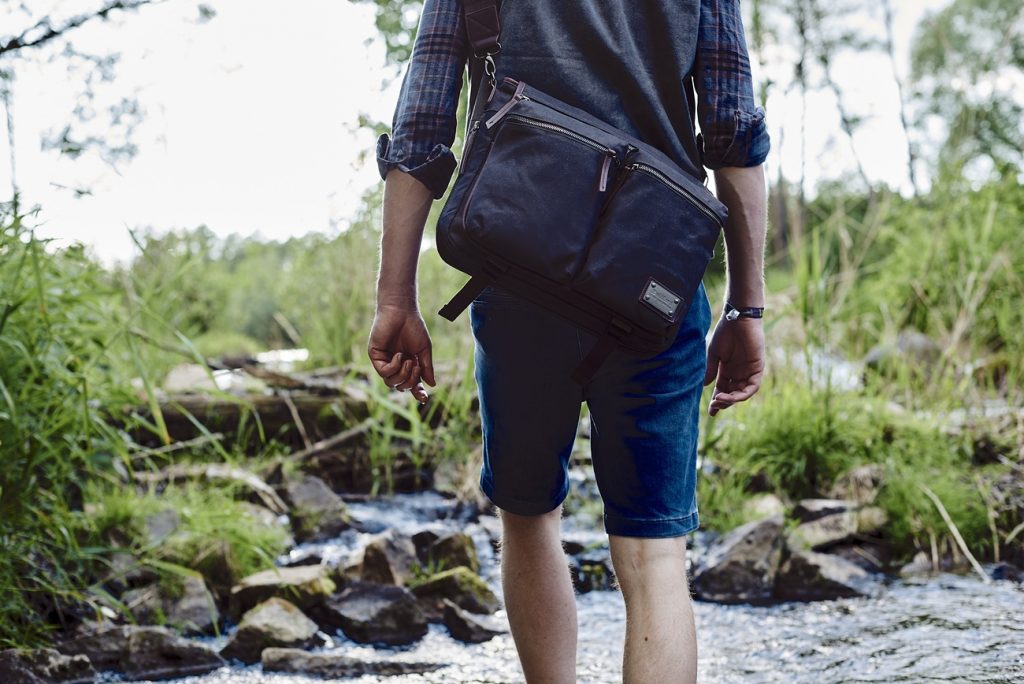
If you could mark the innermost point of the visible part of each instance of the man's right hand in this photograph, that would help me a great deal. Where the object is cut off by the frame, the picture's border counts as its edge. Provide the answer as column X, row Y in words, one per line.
column 736, row 358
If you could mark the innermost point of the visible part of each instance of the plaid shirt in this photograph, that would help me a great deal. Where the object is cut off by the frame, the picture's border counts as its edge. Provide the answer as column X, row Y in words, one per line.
column 732, row 126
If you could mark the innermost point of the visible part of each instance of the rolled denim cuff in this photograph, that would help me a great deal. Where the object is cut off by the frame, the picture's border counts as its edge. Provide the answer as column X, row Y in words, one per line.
column 743, row 142
column 435, row 172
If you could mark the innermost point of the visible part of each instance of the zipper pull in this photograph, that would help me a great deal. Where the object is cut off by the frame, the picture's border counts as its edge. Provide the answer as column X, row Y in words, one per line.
column 516, row 98
column 605, row 166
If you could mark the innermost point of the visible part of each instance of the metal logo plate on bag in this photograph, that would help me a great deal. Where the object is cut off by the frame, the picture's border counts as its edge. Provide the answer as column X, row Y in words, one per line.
column 661, row 299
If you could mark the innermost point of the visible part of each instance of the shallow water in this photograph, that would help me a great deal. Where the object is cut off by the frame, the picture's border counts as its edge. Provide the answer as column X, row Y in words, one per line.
column 946, row 628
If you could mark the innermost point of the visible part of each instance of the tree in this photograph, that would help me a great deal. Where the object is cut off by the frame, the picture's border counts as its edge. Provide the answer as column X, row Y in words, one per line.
column 967, row 67
column 47, row 36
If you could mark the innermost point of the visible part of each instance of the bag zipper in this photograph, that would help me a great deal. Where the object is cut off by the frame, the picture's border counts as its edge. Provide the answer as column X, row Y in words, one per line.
column 563, row 130
column 679, row 189
column 468, row 146
column 516, row 98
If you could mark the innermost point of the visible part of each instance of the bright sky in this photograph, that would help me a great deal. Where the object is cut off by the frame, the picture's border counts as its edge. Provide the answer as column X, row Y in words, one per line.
column 250, row 121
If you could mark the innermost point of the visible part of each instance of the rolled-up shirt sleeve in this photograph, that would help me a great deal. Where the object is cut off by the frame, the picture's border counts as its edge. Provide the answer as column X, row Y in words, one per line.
column 733, row 128
column 423, row 127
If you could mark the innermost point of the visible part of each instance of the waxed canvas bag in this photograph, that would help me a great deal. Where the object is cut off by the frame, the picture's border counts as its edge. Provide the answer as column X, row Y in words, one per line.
column 560, row 208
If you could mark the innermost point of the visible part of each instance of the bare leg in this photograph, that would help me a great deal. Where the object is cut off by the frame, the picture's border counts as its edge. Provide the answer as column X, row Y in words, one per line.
column 661, row 635
column 539, row 596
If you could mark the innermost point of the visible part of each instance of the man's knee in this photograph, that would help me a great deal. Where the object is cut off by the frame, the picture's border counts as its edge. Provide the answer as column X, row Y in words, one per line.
column 635, row 558
column 516, row 521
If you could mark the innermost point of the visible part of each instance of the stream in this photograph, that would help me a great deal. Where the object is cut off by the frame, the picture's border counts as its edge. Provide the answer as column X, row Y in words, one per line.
column 946, row 627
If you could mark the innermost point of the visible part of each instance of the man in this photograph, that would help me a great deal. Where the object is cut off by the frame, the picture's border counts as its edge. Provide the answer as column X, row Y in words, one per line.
column 624, row 62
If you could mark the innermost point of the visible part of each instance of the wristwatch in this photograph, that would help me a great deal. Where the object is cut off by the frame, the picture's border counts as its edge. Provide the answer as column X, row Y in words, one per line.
column 732, row 313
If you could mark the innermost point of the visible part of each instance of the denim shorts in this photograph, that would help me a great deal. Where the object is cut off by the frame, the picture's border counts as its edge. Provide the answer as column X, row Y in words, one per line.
column 644, row 416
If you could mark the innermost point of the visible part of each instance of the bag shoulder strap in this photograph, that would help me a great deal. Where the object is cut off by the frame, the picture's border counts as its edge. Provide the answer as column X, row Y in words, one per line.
column 483, row 26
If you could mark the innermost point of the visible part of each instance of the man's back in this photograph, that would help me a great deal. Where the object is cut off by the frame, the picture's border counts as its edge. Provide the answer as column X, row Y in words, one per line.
column 624, row 62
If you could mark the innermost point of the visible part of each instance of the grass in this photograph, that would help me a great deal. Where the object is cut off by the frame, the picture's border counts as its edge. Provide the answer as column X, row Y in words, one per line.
column 83, row 350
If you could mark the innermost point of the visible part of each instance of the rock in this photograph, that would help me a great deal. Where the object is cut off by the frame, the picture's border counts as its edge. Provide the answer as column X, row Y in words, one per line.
column 465, row 626
column 912, row 348
column 594, row 571
column 157, row 653
column 336, row 665
column 835, row 526
column 144, row 653
column 189, row 609
column 463, row 587
column 811, row 576
column 161, row 525
column 217, row 564
column 44, row 665
column 305, row 586
column 807, row 510
column 572, row 547
column 275, row 622
column 814, row 533
column 1006, row 571
column 762, row 506
column 871, row 519
column 374, row 613
column 422, row 541
column 452, row 551
column 920, row 564
column 860, row 484
column 872, row 557
column 317, row 512
column 740, row 567
column 129, row 572
column 389, row 559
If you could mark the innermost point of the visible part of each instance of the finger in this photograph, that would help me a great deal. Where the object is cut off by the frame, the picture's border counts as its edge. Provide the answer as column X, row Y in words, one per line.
column 738, row 395
column 399, row 380
column 389, row 368
column 420, row 393
column 413, row 379
column 426, row 359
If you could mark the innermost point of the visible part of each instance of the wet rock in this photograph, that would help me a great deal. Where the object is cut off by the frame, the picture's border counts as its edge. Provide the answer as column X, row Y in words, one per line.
column 1006, row 571
column 740, row 567
column 337, row 666
column 807, row 510
column 762, row 506
column 44, row 665
column 860, row 484
column 423, row 540
column 463, row 587
column 813, row 576
column 373, row 613
column 317, row 512
column 305, row 586
column 871, row 556
column 594, row 571
column 144, row 653
column 572, row 547
column 190, row 608
column 389, row 559
column 466, row 627
column 452, row 551
column 156, row 653
column 920, row 564
column 275, row 622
